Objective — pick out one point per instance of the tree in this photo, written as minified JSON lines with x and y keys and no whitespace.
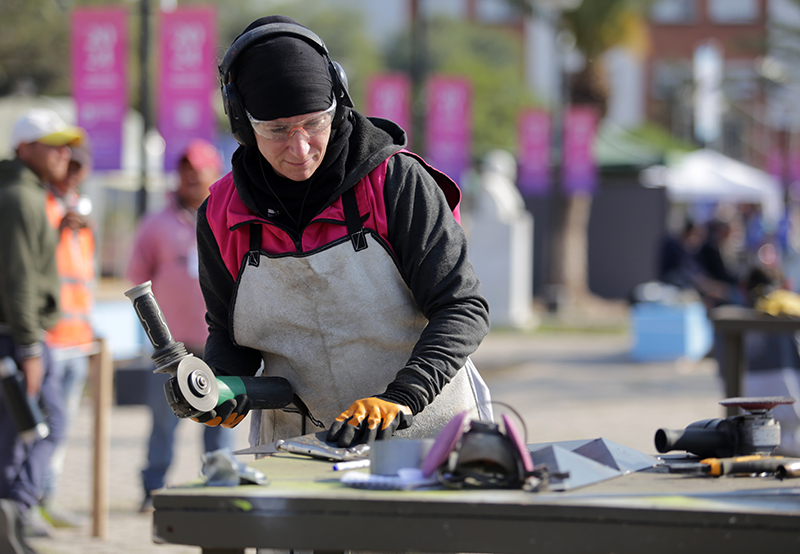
{"x":34,"y":43}
{"x":597,"y":25}
{"x":490,"y":59}
{"x":35,"y":48}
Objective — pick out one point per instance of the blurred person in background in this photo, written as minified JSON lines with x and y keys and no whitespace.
{"x":165,"y":252}
{"x":71,"y":341}
{"x":677,"y":264}
{"x":711,"y":257}
{"x":29,"y":304}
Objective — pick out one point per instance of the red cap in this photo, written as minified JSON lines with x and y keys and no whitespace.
{"x":202,"y":154}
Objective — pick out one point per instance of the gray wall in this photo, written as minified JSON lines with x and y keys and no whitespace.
{"x":626,"y":227}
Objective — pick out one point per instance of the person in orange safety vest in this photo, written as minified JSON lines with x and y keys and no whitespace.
{"x":72,"y":338}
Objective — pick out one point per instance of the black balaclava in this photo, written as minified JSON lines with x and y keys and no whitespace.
{"x":281,"y":77}
{"x":285,"y":76}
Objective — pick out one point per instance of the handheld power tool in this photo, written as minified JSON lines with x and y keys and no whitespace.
{"x":755,"y":432}
{"x":193,"y":388}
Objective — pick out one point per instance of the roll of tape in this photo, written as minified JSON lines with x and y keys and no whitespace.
{"x":389,"y":456}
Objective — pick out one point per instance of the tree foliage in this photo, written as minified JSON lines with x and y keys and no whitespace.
{"x":597,"y":26}
{"x":34,"y":38}
{"x":33,"y":45}
{"x":491,"y":59}
{"x":34,"y":52}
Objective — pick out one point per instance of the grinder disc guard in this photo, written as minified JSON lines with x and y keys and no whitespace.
{"x":757,"y":403}
{"x":197,"y":384}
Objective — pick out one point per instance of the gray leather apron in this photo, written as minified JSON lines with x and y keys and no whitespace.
{"x":338,"y":323}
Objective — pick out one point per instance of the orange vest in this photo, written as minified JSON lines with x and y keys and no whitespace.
{"x":75,"y":262}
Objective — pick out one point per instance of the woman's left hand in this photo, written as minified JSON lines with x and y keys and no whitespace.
{"x":367,"y":420}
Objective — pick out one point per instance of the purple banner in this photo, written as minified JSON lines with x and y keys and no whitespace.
{"x":784,"y":166}
{"x":775,"y":165}
{"x":448,"y":127}
{"x":534,"y":136}
{"x":187,"y":40}
{"x":794,"y":166}
{"x":389,"y":97}
{"x":579,"y":169}
{"x":99,"y":48}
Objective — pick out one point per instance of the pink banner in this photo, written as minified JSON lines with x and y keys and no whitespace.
{"x":775,"y":163}
{"x":784,"y":166}
{"x":99,"y":48}
{"x":534,"y":136}
{"x":187,"y":41}
{"x":794,"y":166}
{"x":389,"y":97}
{"x":579,"y":169}
{"x":448,"y":127}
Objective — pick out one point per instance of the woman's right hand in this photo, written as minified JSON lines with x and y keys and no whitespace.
{"x":228,"y":414}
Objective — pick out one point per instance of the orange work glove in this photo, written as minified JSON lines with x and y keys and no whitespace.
{"x":228,"y":414}
{"x":367,"y":420}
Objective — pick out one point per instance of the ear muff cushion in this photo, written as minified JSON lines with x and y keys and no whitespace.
{"x":240,"y":126}
{"x":343,"y":101}
{"x":445,"y":443}
{"x":519,"y":444}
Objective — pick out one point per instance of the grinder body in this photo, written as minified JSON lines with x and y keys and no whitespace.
{"x":755,"y":432}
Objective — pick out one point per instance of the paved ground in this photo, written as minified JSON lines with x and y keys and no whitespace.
{"x":566,"y":385}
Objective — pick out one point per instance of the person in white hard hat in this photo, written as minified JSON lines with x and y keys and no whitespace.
{"x":29,"y":304}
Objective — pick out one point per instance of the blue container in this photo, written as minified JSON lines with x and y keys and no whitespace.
{"x":663,"y":332}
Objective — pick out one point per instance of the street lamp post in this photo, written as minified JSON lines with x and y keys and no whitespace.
{"x":144,"y":102}
{"x":550,"y":12}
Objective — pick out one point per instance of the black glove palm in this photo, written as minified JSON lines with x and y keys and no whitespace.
{"x":367,"y":420}
{"x":228,"y":414}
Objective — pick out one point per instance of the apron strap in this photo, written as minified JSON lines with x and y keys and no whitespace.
{"x":355,"y":228}
{"x":254,"y":254}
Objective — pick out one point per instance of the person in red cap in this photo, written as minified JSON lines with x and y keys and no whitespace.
{"x":165,"y":252}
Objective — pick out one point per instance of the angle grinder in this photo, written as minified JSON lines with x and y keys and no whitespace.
{"x":754,"y":432}
{"x":193,"y":388}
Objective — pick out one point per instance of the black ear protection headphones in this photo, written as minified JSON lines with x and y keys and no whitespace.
{"x":232,"y":100}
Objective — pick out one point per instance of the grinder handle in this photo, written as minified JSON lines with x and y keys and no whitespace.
{"x":150,"y":315}
{"x":265,"y":393}
{"x":167,"y":351}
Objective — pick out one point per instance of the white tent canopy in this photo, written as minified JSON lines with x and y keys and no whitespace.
{"x":705,"y":176}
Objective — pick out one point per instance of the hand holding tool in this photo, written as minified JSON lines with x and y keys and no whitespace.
{"x":369,"y":419}
{"x":193,"y":390}
{"x":228,"y":414}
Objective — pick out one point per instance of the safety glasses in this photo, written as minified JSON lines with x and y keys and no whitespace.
{"x":281,"y":132}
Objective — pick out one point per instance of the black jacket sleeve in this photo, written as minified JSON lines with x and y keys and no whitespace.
{"x":218,"y":286}
{"x":431,"y":248}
